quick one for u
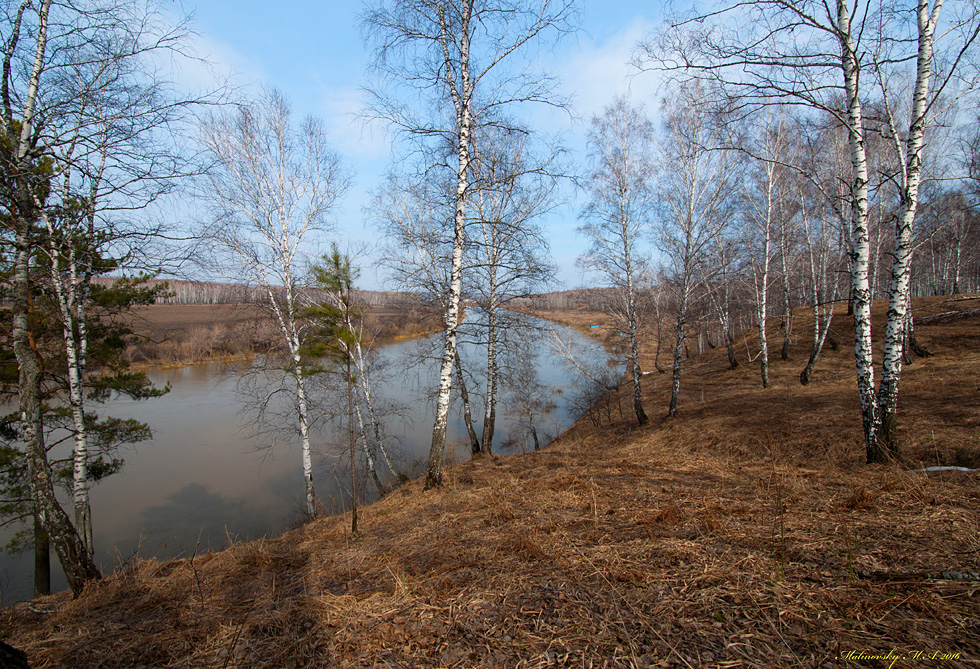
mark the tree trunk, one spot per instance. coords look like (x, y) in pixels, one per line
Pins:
(885, 446)
(353, 460)
(467, 417)
(42, 561)
(304, 433)
(820, 336)
(787, 306)
(379, 438)
(462, 102)
(859, 238)
(490, 415)
(641, 415)
(787, 327)
(656, 357)
(675, 382)
(372, 469)
(79, 567)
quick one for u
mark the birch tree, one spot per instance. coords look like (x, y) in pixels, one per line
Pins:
(774, 52)
(618, 214)
(114, 144)
(417, 252)
(31, 35)
(466, 61)
(271, 190)
(694, 195)
(765, 207)
(824, 205)
(513, 189)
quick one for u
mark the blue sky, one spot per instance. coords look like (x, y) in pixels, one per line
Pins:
(314, 53)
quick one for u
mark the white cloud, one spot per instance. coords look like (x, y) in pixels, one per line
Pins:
(599, 71)
(348, 131)
(204, 64)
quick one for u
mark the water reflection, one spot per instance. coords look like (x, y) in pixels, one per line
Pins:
(204, 477)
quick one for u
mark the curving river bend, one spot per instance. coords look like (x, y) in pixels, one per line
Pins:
(205, 477)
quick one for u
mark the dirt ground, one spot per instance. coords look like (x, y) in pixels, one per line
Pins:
(744, 532)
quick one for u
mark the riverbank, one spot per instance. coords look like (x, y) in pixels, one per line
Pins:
(173, 335)
(746, 531)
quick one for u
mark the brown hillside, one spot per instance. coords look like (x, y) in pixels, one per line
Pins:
(745, 532)
(177, 334)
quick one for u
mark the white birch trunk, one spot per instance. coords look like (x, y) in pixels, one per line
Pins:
(368, 457)
(490, 415)
(641, 415)
(762, 287)
(365, 386)
(462, 101)
(304, 433)
(886, 445)
(467, 415)
(680, 335)
(859, 239)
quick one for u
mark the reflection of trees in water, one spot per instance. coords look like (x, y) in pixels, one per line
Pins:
(195, 518)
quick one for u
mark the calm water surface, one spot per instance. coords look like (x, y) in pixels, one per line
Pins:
(205, 479)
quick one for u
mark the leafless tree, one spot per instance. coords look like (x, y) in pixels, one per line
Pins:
(445, 69)
(272, 187)
(769, 190)
(618, 213)
(513, 189)
(694, 195)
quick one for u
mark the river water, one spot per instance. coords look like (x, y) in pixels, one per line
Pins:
(207, 476)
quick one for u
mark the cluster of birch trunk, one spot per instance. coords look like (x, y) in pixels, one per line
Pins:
(789, 166)
(87, 146)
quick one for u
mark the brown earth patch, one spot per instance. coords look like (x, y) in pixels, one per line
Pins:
(174, 334)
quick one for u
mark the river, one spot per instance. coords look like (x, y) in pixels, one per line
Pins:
(206, 477)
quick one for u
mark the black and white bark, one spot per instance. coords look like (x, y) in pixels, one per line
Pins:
(271, 189)
(910, 158)
(459, 60)
(618, 214)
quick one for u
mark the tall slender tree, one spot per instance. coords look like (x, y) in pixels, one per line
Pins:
(271, 190)
(618, 214)
(463, 60)
(694, 196)
(510, 259)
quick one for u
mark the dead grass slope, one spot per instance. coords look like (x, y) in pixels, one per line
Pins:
(746, 532)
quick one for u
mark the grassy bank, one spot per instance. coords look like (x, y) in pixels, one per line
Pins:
(745, 532)
(175, 334)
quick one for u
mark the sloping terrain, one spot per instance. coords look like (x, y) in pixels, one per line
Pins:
(745, 532)
(178, 334)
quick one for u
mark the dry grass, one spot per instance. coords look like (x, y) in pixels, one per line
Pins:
(745, 532)
(178, 334)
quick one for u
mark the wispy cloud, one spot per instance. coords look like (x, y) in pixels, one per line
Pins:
(341, 109)
(600, 70)
(206, 64)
